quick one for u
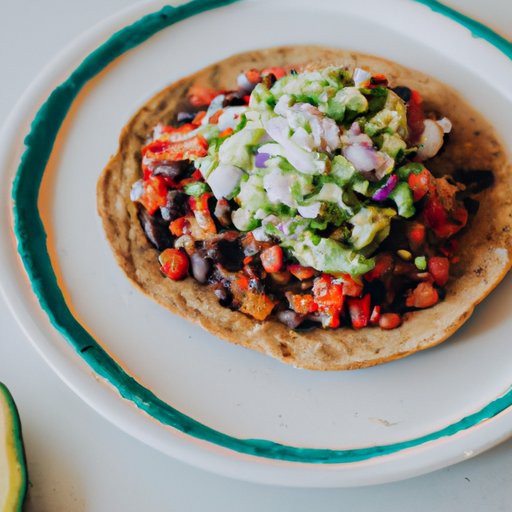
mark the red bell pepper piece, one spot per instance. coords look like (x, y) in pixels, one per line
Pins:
(359, 310)
(300, 272)
(154, 195)
(328, 295)
(178, 150)
(375, 316)
(174, 264)
(272, 258)
(199, 206)
(302, 304)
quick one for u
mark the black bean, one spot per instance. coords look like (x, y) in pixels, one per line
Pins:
(403, 92)
(201, 267)
(155, 229)
(169, 169)
(234, 98)
(290, 318)
(475, 180)
(223, 295)
(185, 117)
(176, 205)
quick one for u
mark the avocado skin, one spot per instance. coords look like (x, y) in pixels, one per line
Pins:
(14, 501)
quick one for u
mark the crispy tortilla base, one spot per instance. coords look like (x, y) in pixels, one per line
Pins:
(487, 243)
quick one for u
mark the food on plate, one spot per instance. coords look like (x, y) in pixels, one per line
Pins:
(311, 204)
(13, 469)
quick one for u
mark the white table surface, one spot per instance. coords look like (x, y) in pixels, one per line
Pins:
(78, 461)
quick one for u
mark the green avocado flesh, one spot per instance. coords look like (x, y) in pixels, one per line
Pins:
(13, 471)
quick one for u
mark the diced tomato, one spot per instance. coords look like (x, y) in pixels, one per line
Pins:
(258, 305)
(174, 263)
(178, 150)
(242, 282)
(383, 265)
(328, 292)
(197, 176)
(351, 287)
(423, 296)
(199, 206)
(155, 147)
(154, 195)
(247, 260)
(415, 116)
(276, 71)
(419, 184)
(199, 117)
(439, 267)
(375, 316)
(450, 247)
(146, 172)
(177, 227)
(226, 133)
(301, 272)
(272, 258)
(390, 321)
(378, 79)
(184, 128)
(437, 218)
(416, 235)
(214, 119)
(253, 75)
(359, 310)
(199, 96)
(302, 304)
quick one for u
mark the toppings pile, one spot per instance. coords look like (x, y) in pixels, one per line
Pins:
(304, 197)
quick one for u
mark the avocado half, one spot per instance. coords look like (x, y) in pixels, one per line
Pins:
(13, 469)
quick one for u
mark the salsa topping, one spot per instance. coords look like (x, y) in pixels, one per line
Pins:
(305, 197)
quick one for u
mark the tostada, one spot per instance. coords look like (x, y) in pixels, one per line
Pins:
(331, 209)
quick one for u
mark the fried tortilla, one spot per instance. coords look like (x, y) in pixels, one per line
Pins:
(487, 241)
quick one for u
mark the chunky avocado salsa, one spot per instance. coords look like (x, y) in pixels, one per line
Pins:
(304, 197)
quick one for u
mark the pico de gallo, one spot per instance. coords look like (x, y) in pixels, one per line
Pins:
(305, 198)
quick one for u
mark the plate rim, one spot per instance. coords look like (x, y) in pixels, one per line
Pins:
(24, 102)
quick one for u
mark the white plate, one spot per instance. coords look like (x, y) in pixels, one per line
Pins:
(195, 397)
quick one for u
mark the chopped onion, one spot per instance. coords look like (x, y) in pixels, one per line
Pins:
(310, 211)
(445, 124)
(137, 190)
(216, 104)
(362, 157)
(431, 140)
(260, 235)
(361, 77)
(260, 159)
(224, 179)
(383, 193)
(230, 118)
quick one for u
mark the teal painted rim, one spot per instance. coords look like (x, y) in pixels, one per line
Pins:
(33, 251)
